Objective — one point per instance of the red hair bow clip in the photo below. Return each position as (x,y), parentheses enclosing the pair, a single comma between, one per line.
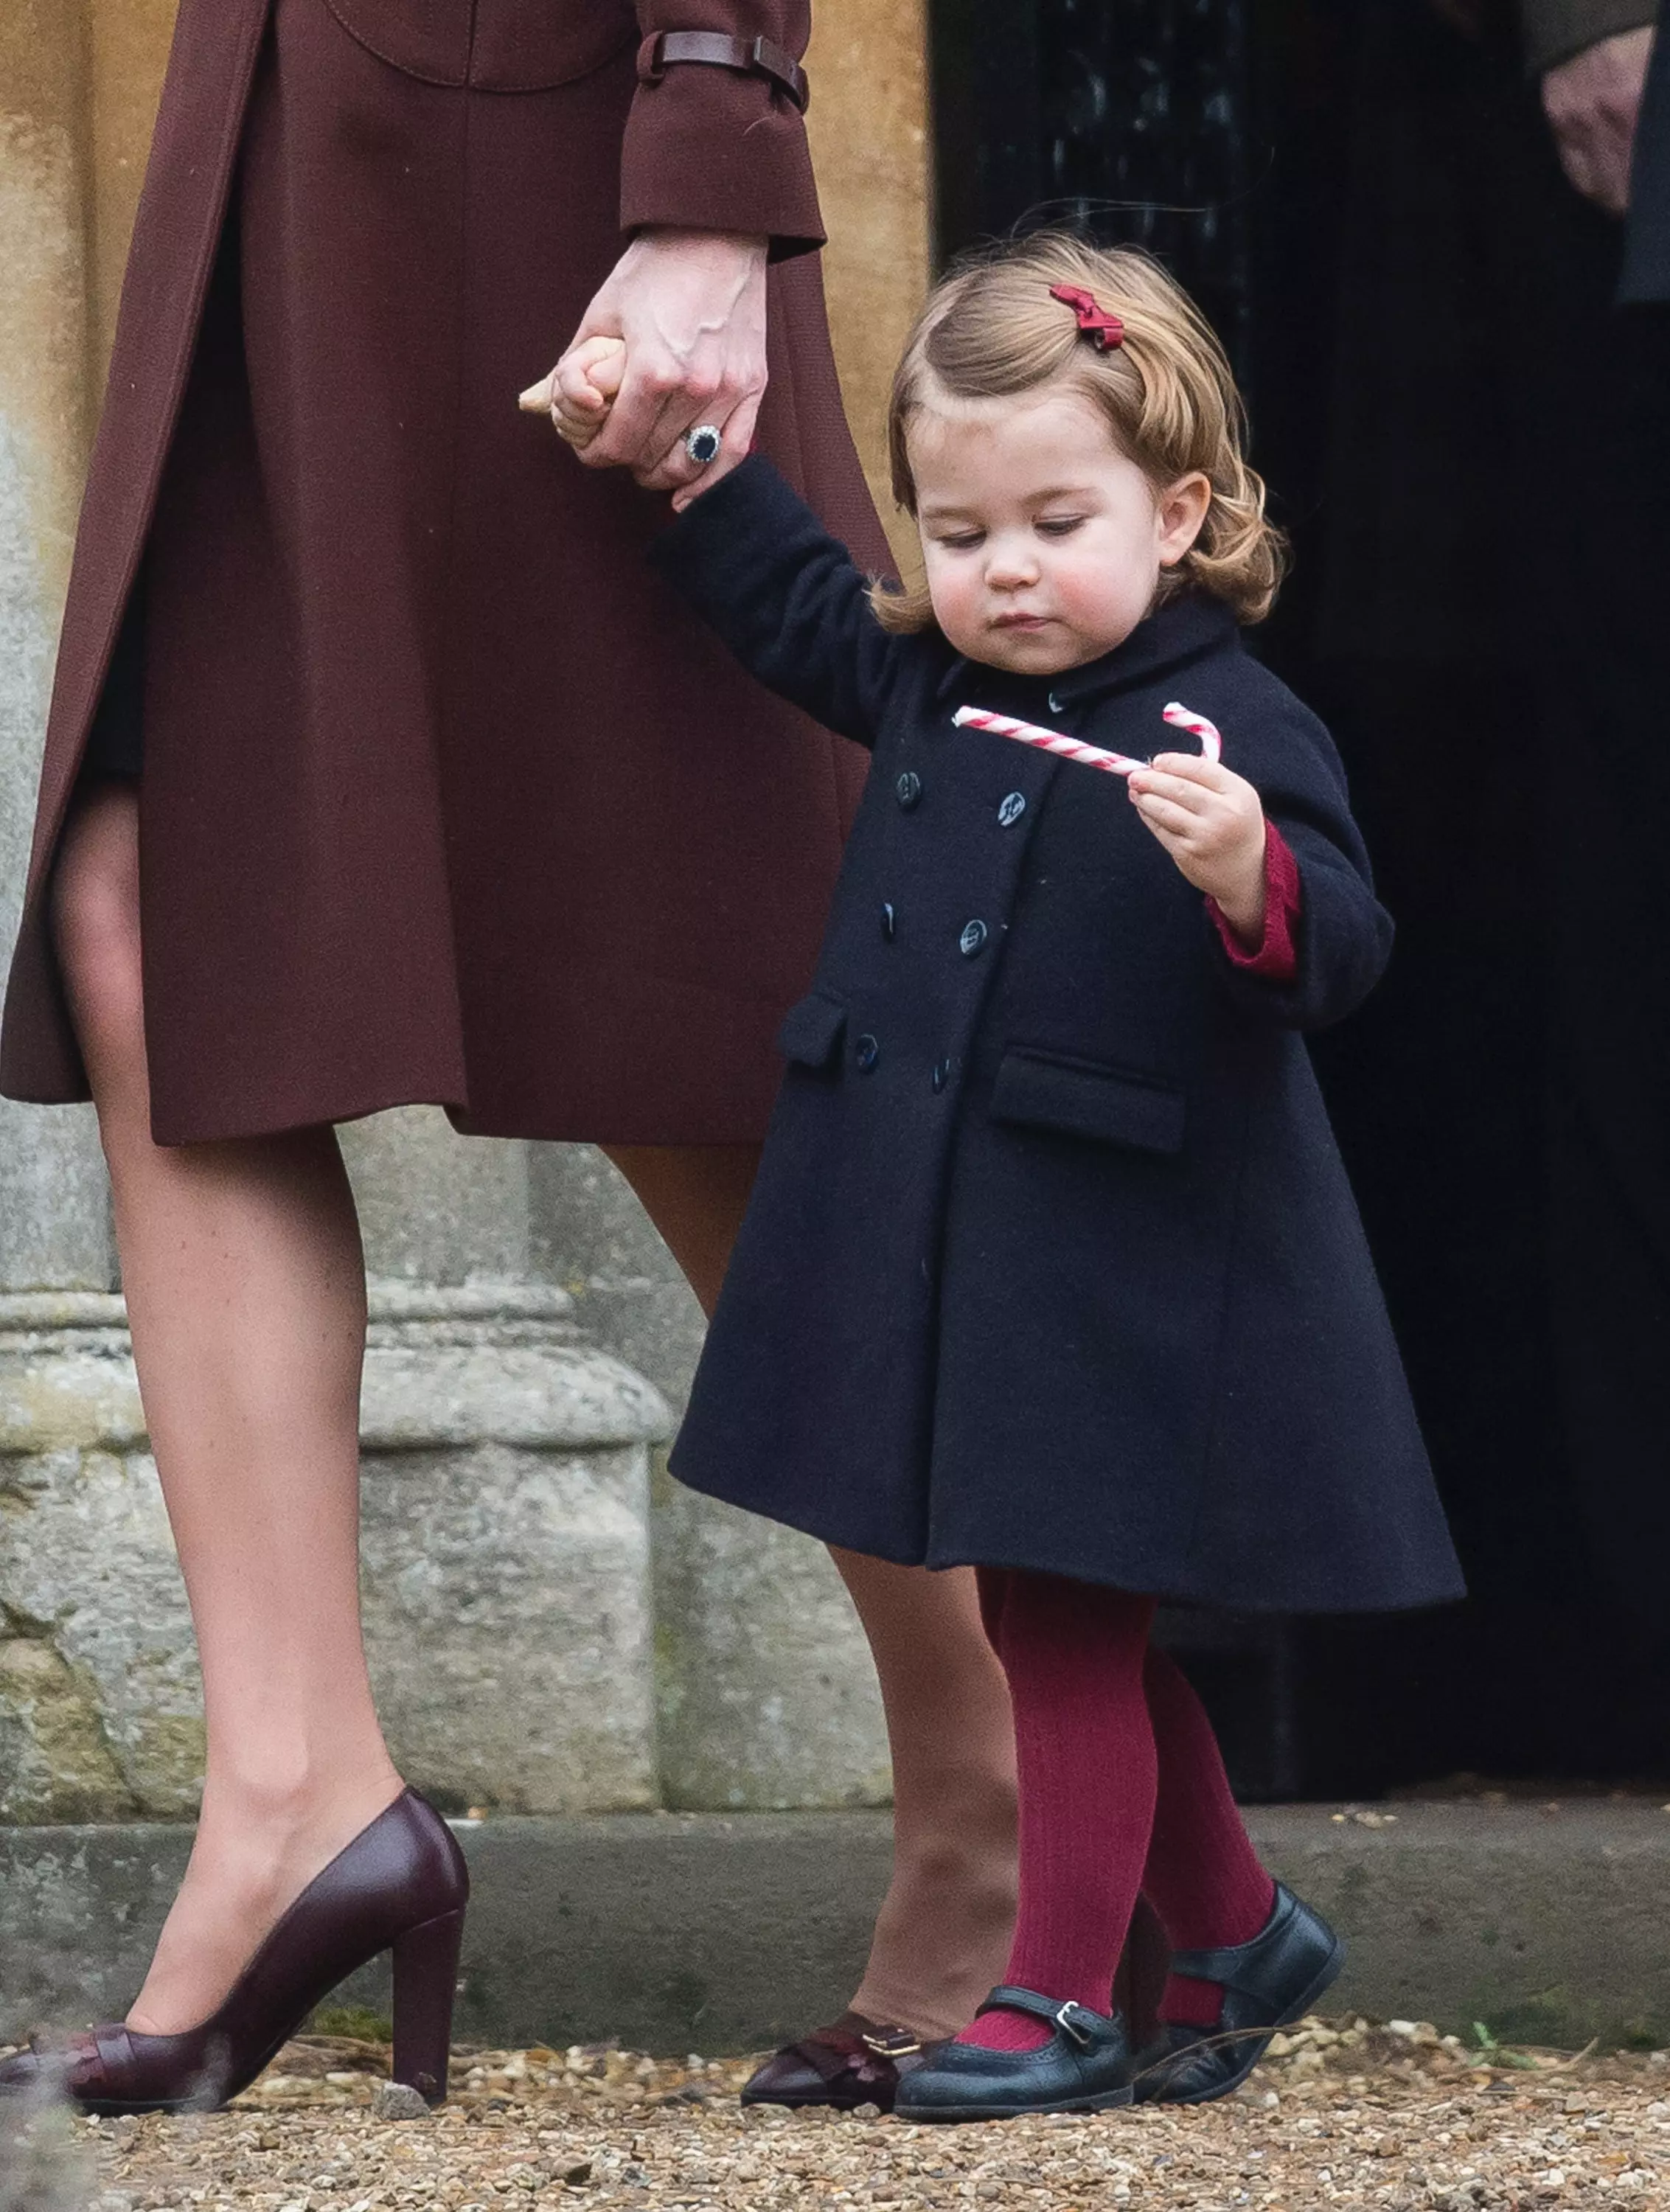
(1105,331)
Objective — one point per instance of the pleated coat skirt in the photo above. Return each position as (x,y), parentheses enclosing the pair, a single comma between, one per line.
(445,797)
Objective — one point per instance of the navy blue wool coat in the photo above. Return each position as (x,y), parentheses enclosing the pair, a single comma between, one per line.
(1052,1262)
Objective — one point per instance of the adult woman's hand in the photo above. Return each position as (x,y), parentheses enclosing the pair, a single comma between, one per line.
(689,307)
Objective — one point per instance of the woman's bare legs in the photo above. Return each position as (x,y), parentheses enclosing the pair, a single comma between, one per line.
(942,1939)
(943,1934)
(245,1292)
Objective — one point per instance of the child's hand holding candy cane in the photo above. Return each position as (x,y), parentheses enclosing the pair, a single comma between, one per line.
(1211,822)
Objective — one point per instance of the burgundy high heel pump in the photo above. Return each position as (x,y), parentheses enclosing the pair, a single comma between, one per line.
(401,1886)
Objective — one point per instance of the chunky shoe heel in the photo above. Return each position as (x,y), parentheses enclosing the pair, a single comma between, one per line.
(426,1977)
(401,1886)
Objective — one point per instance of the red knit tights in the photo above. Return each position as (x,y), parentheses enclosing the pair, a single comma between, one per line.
(1122,1790)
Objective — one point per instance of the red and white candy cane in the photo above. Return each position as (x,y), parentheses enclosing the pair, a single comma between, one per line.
(1052,741)
(1212,744)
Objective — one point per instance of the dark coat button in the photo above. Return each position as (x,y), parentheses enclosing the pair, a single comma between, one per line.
(909,788)
(890,922)
(1012,809)
(942,1074)
(973,939)
(866,1053)
(1055,703)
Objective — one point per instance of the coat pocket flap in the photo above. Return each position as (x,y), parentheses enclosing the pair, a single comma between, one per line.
(811,1031)
(529,46)
(496,46)
(1077,1098)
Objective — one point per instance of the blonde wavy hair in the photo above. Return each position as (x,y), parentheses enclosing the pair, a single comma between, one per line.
(991,331)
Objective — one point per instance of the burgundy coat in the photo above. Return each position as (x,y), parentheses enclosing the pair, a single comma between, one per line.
(445,797)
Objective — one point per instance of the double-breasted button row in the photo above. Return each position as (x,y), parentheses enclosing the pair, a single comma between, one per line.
(972,939)
(866,1058)
(908,791)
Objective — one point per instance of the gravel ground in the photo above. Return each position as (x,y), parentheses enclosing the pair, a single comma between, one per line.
(1342,2113)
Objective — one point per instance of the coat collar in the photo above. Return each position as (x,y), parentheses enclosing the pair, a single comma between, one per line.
(1186,629)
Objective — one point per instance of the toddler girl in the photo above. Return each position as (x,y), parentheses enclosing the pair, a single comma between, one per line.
(1052,1267)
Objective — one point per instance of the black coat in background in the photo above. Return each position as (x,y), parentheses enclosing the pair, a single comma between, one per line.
(1647,233)
(1052,1262)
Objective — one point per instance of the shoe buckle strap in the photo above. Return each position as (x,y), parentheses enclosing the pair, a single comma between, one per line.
(1008,1997)
(111,2051)
(892,2043)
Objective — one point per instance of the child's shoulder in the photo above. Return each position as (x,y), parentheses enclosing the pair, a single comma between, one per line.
(1234,672)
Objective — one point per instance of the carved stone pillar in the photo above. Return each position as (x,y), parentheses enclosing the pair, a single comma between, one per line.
(506,1577)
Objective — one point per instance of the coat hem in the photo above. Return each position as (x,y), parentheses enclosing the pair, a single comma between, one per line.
(554,1129)
(1169,1590)
(567,1129)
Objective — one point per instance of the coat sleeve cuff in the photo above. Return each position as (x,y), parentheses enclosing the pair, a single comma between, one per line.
(710,149)
(1555,30)
(750,509)
(1276,957)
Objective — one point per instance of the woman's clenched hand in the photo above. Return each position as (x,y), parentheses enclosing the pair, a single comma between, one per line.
(689,308)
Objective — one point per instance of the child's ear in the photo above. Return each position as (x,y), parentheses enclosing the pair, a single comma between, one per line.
(1180,512)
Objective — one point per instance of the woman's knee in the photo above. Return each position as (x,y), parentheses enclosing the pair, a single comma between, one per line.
(96,920)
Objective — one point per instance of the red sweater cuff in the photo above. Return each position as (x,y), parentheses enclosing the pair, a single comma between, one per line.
(1276,957)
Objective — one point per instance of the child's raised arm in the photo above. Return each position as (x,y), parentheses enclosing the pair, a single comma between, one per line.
(757,564)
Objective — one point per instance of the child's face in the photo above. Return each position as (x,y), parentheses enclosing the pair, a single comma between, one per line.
(1043,542)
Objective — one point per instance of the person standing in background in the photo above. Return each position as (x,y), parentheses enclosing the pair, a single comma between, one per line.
(1505,1101)
(1609,105)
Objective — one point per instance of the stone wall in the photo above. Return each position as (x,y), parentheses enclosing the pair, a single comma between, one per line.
(508,1604)
(554,1626)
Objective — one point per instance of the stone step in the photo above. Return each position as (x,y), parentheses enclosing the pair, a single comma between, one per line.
(704,1932)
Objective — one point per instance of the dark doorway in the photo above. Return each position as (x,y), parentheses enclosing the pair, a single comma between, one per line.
(1364,198)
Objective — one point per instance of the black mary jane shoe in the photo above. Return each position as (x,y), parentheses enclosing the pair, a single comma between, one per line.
(854,2061)
(1268,1984)
(1085,2067)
